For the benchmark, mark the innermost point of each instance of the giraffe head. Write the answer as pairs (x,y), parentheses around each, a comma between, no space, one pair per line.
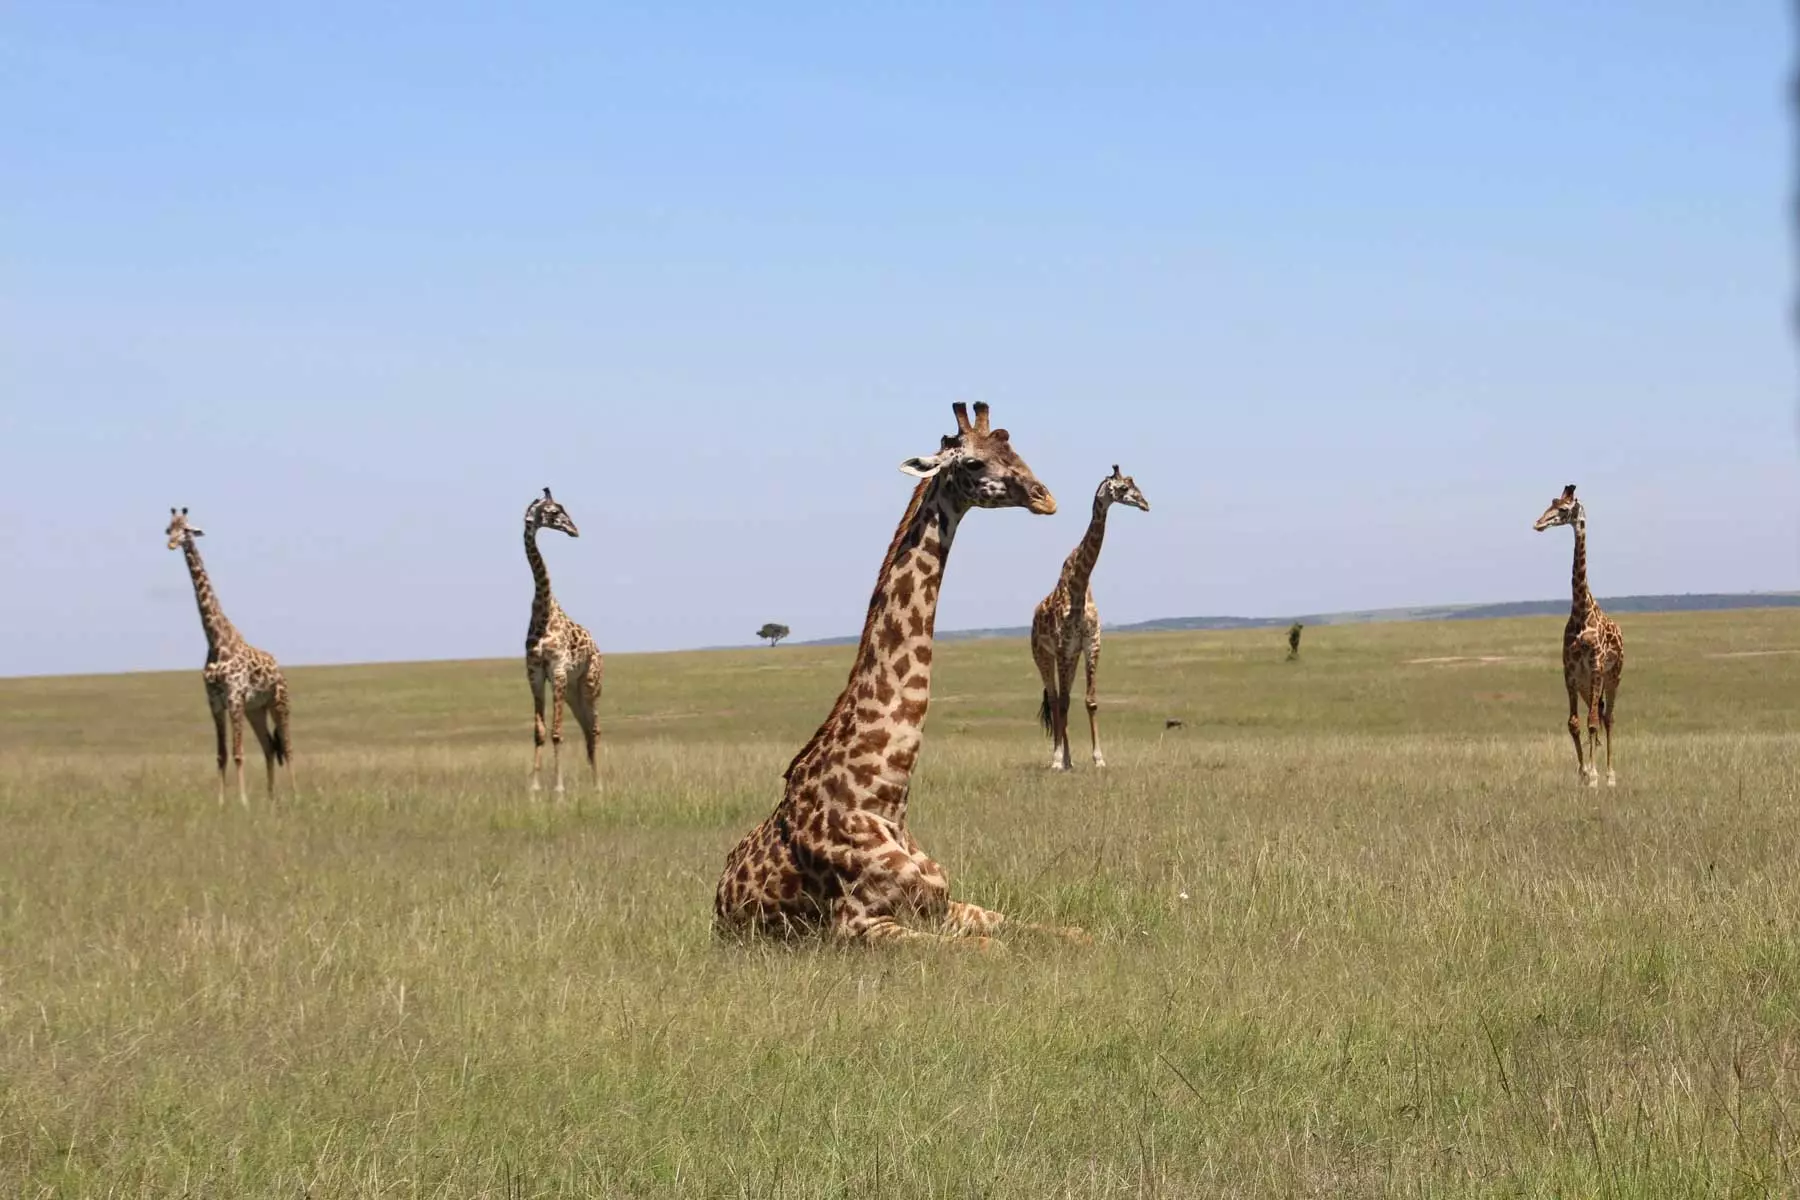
(976,467)
(1564,510)
(1121,489)
(548,514)
(179,531)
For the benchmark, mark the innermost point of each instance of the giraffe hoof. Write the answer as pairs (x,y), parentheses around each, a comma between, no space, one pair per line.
(1099,763)
(1612,780)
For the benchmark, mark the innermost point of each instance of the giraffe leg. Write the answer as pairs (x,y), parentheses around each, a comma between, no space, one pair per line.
(1093,699)
(1065,672)
(218,716)
(558,686)
(1593,728)
(284,737)
(259,725)
(1044,656)
(1575,730)
(237,751)
(971,920)
(588,713)
(886,876)
(1606,718)
(537,726)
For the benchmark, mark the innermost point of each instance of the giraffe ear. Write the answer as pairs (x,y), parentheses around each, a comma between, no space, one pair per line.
(924,468)
(196,532)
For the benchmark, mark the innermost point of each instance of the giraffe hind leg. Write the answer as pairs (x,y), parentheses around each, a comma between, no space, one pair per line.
(586,703)
(1045,659)
(284,736)
(1065,700)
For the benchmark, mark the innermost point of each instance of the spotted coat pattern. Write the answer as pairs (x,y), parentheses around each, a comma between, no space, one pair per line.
(835,857)
(1065,629)
(560,655)
(241,681)
(1593,650)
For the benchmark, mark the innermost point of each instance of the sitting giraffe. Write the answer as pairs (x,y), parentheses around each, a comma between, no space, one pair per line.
(835,856)
(1593,647)
(240,679)
(1066,626)
(558,652)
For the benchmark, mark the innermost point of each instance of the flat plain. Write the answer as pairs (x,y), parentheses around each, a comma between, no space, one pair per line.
(1358,932)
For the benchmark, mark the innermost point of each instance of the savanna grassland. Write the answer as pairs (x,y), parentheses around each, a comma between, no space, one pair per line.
(1358,932)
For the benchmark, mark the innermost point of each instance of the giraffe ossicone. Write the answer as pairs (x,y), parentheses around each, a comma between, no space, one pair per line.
(242,682)
(835,857)
(1065,628)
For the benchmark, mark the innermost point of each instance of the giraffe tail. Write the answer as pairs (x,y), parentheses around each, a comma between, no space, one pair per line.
(278,742)
(1045,717)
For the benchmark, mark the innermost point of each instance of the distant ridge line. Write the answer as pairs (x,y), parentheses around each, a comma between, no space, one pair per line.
(1683,602)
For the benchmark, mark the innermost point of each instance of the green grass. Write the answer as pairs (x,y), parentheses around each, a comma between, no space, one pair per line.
(1358,933)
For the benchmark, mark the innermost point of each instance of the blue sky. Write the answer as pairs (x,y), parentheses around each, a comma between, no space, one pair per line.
(1352,290)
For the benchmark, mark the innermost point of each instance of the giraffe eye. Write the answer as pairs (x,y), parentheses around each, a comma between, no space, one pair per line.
(973,466)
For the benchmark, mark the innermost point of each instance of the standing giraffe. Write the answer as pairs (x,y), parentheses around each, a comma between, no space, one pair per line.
(1066,626)
(835,857)
(1593,647)
(240,679)
(558,652)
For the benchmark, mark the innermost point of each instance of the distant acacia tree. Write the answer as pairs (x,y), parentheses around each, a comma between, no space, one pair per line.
(773,632)
(1294,640)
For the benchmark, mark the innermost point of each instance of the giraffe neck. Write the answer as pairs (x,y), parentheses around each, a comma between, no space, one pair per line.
(541,599)
(1582,599)
(1078,568)
(862,756)
(219,630)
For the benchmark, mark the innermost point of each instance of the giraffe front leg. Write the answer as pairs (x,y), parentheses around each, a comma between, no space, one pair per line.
(888,931)
(237,751)
(1575,731)
(218,715)
(559,685)
(537,728)
(1093,700)
(971,920)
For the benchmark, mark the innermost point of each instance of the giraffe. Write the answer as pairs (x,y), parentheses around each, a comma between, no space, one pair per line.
(835,857)
(558,652)
(1593,647)
(241,681)
(1066,626)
